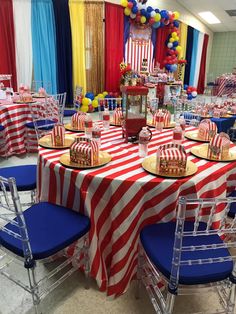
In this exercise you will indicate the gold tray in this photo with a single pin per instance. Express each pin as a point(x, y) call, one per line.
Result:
point(201, 151)
point(38, 96)
point(23, 102)
point(231, 113)
point(170, 126)
point(46, 142)
point(227, 116)
point(149, 164)
point(193, 135)
point(68, 127)
point(115, 124)
point(206, 117)
point(104, 158)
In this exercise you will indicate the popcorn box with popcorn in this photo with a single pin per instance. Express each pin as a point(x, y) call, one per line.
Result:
point(218, 147)
point(207, 129)
point(84, 151)
point(171, 159)
point(42, 91)
point(166, 117)
point(58, 135)
point(77, 120)
point(117, 116)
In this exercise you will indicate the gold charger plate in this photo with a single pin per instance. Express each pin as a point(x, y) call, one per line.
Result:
point(23, 102)
point(231, 113)
point(68, 127)
point(170, 126)
point(38, 96)
point(206, 117)
point(149, 164)
point(46, 142)
point(115, 124)
point(193, 135)
point(227, 116)
point(104, 158)
point(201, 151)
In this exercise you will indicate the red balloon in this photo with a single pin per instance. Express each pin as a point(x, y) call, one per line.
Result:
point(138, 18)
point(151, 20)
point(130, 5)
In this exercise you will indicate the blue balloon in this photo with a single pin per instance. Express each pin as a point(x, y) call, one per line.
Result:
point(89, 95)
point(134, 9)
point(174, 67)
point(157, 10)
point(175, 43)
point(148, 15)
point(190, 97)
point(176, 24)
point(149, 9)
point(162, 24)
point(185, 86)
point(143, 12)
point(164, 14)
point(168, 66)
point(156, 25)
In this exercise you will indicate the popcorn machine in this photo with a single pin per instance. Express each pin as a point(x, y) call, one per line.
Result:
point(134, 111)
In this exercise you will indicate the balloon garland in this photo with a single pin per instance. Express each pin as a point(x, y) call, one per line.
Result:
point(191, 92)
point(145, 16)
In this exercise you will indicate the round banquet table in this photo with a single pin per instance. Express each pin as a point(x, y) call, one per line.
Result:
point(121, 197)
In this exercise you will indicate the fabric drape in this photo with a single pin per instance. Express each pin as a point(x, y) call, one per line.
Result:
point(24, 58)
point(7, 41)
point(198, 58)
point(161, 48)
point(63, 48)
point(194, 56)
point(189, 49)
point(94, 47)
point(202, 72)
point(114, 45)
point(44, 43)
point(183, 44)
point(78, 43)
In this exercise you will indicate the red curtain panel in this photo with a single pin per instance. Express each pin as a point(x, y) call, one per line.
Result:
point(161, 48)
point(114, 45)
point(7, 41)
point(202, 73)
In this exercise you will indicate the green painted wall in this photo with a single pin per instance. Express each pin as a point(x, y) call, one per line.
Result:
point(223, 54)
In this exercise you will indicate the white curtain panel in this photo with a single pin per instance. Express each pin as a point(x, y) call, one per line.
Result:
point(23, 39)
point(199, 57)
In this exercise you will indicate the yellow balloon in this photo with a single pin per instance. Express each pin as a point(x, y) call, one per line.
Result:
point(124, 3)
point(178, 49)
point(105, 93)
point(84, 108)
point(95, 103)
point(176, 13)
point(174, 34)
point(171, 40)
point(86, 101)
point(157, 17)
point(127, 11)
point(100, 96)
point(96, 97)
point(143, 19)
point(177, 38)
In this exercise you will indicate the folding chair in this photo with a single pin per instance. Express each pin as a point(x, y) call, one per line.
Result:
point(41, 231)
point(189, 255)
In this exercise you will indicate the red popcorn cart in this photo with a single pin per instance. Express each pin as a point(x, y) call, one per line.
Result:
point(134, 111)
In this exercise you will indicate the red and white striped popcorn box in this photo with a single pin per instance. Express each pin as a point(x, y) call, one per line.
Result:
point(219, 145)
point(42, 91)
point(84, 151)
point(207, 129)
point(117, 116)
point(77, 120)
point(217, 113)
point(171, 158)
point(58, 135)
point(166, 118)
point(204, 112)
point(233, 109)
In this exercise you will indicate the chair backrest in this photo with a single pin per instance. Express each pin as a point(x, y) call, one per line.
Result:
point(109, 103)
point(199, 218)
point(10, 208)
point(61, 99)
point(45, 115)
point(191, 118)
point(38, 84)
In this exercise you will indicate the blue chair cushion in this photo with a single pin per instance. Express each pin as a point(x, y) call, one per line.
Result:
point(232, 210)
point(69, 112)
point(25, 176)
point(51, 228)
point(1, 128)
point(40, 123)
point(158, 242)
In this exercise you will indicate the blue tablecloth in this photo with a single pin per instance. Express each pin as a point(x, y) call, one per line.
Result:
point(224, 124)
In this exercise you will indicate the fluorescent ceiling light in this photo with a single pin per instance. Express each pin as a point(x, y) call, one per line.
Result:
point(209, 17)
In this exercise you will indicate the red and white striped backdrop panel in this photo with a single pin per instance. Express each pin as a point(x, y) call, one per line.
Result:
point(136, 51)
point(14, 117)
point(121, 197)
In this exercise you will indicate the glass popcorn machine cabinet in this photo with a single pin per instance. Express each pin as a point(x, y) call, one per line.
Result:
point(134, 111)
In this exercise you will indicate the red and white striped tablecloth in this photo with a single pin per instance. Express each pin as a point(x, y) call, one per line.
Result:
point(121, 197)
point(14, 117)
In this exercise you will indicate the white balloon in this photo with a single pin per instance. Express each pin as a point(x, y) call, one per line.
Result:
point(132, 15)
point(153, 13)
point(194, 94)
point(143, 6)
point(169, 45)
point(139, 5)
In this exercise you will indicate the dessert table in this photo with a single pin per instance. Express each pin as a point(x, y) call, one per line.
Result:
point(121, 197)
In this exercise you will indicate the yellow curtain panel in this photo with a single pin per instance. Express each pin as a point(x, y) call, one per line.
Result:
point(183, 44)
point(78, 47)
